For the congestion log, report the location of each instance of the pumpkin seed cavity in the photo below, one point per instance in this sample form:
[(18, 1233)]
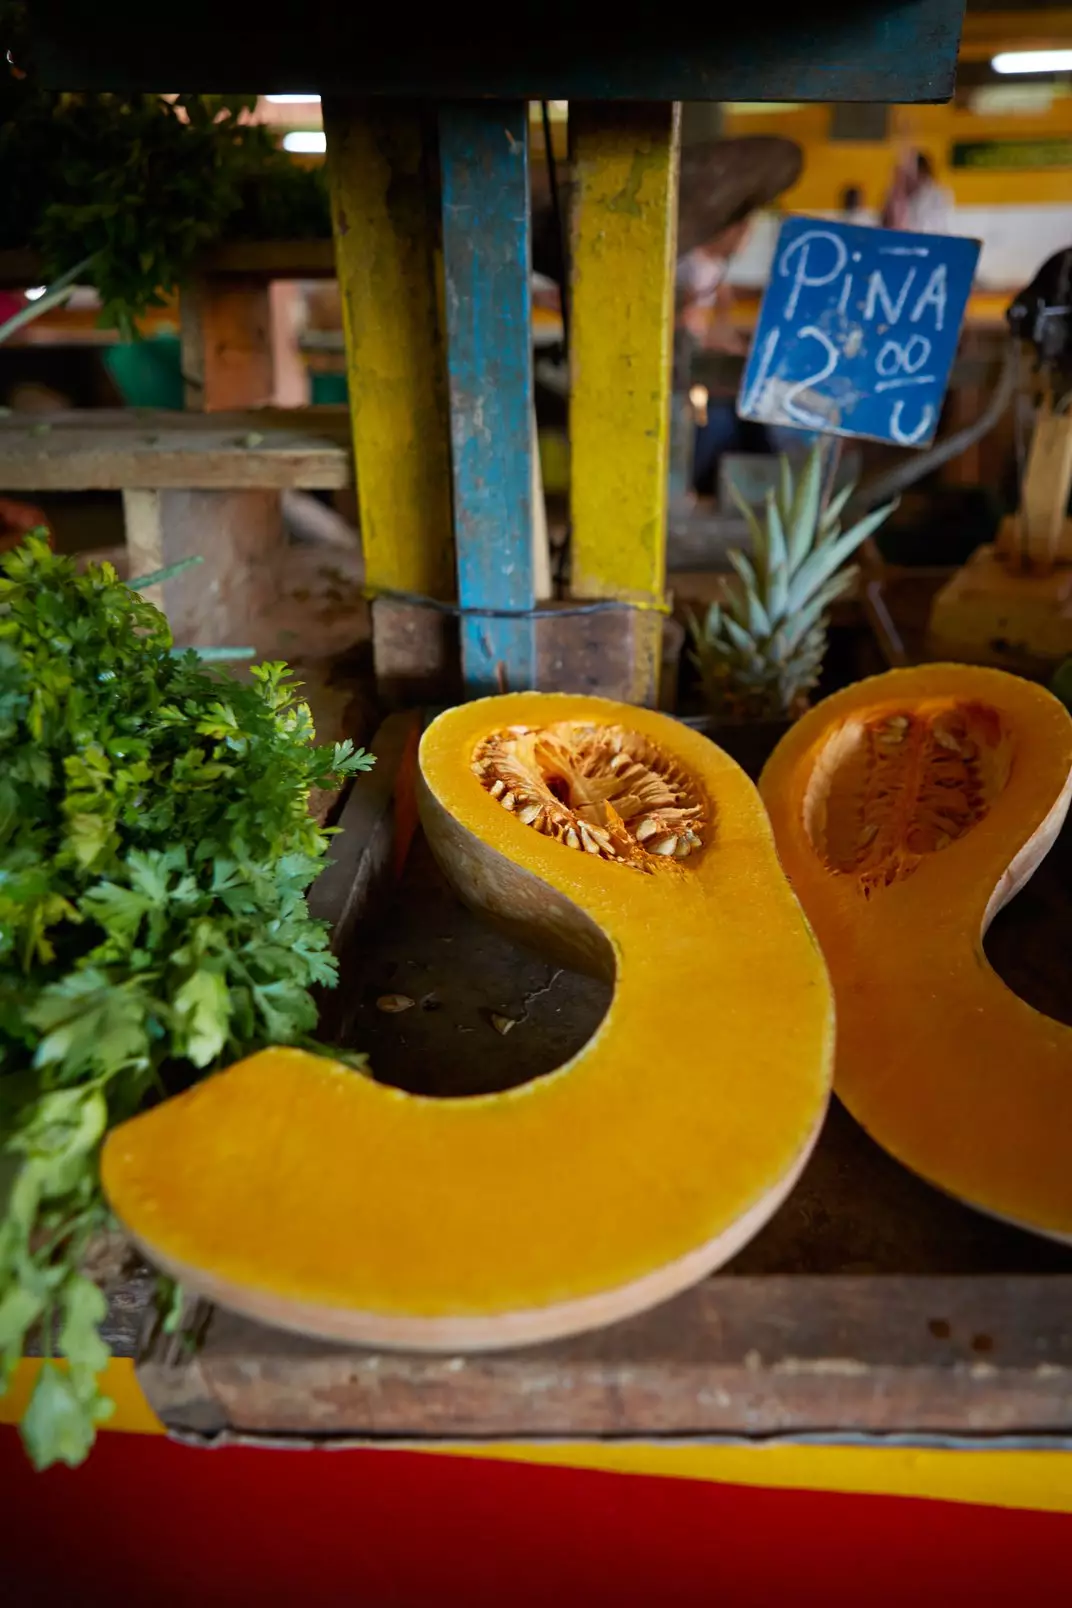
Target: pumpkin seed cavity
[(896, 785), (602, 790)]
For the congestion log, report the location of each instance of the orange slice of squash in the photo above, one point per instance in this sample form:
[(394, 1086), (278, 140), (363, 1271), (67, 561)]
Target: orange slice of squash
[(297, 1191), (907, 810)]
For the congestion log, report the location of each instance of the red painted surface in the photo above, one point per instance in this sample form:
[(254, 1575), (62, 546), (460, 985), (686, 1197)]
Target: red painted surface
[(148, 1522)]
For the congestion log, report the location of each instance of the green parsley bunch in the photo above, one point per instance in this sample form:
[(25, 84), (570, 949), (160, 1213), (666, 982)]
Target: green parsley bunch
[(155, 850)]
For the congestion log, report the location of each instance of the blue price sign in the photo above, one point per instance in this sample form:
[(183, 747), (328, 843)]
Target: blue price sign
[(858, 331)]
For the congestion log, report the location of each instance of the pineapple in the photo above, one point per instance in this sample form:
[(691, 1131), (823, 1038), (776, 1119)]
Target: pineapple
[(760, 650)]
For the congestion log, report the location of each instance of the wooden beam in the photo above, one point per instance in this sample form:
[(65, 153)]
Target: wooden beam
[(896, 50), (239, 537), (381, 160), (736, 1356), (264, 259), (483, 152), (624, 232), (385, 233), (272, 259), (98, 450), (226, 331)]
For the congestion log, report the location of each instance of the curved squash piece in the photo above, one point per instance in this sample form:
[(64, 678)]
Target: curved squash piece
[(297, 1191), (907, 810)]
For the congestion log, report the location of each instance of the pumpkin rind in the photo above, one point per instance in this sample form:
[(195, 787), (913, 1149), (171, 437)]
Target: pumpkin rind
[(295, 1190), (907, 810)]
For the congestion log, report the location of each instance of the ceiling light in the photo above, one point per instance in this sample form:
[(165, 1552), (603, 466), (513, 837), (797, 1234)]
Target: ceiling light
[(1033, 61), (293, 100), (308, 141)]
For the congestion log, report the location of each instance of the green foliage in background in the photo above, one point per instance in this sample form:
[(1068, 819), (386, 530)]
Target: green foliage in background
[(142, 184)]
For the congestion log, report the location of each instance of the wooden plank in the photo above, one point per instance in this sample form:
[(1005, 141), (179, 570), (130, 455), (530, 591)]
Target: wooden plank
[(415, 654), (385, 241), (119, 451), (381, 164), (331, 420), (735, 1356), (483, 150), (239, 537), (375, 830), (274, 259), (226, 329), (268, 259), (598, 653), (624, 228), (143, 522), (900, 50)]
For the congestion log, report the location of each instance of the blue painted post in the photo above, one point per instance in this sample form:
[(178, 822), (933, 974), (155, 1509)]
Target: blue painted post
[(483, 154)]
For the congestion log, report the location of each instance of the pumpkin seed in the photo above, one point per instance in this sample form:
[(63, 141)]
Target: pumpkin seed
[(394, 1004)]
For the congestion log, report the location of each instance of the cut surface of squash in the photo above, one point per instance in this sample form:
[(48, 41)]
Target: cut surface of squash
[(298, 1191), (907, 810)]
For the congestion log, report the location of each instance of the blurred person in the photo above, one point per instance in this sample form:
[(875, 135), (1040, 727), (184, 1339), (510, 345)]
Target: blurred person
[(916, 201), (703, 297), (851, 207), (724, 184)]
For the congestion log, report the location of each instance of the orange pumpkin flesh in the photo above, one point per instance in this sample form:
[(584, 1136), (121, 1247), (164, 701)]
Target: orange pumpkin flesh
[(907, 810), (297, 1191)]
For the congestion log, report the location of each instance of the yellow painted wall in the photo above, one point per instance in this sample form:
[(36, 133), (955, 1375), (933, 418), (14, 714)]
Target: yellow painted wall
[(831, 165)]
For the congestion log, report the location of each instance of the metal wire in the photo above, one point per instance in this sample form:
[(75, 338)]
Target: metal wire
[(1020, 445), (603, 605), (889, 484), (562, 553), (560, 226)]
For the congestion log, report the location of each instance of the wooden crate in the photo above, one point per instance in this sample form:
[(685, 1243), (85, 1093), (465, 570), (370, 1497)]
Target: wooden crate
[(870, 1307)]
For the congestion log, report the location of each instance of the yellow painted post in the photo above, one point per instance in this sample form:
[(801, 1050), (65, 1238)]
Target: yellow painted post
[(624, 223), (385, 211)]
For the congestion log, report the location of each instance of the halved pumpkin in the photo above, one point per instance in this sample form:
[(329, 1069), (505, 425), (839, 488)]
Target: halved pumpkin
[(907, 810), (295, 1190)]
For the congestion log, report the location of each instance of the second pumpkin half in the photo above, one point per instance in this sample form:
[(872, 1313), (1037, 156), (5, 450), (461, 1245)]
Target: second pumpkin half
[(907, 810)]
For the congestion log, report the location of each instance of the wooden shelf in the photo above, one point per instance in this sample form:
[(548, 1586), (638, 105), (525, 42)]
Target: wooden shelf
[(263, 259), (144, 449), (826, 1357), (273, 259)]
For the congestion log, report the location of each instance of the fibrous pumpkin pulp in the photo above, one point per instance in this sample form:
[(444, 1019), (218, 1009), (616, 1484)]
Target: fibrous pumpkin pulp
[(296, 1190), (907, 810)]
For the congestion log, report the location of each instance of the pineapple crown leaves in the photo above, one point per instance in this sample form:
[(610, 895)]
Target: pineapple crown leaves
[(769, 633)]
